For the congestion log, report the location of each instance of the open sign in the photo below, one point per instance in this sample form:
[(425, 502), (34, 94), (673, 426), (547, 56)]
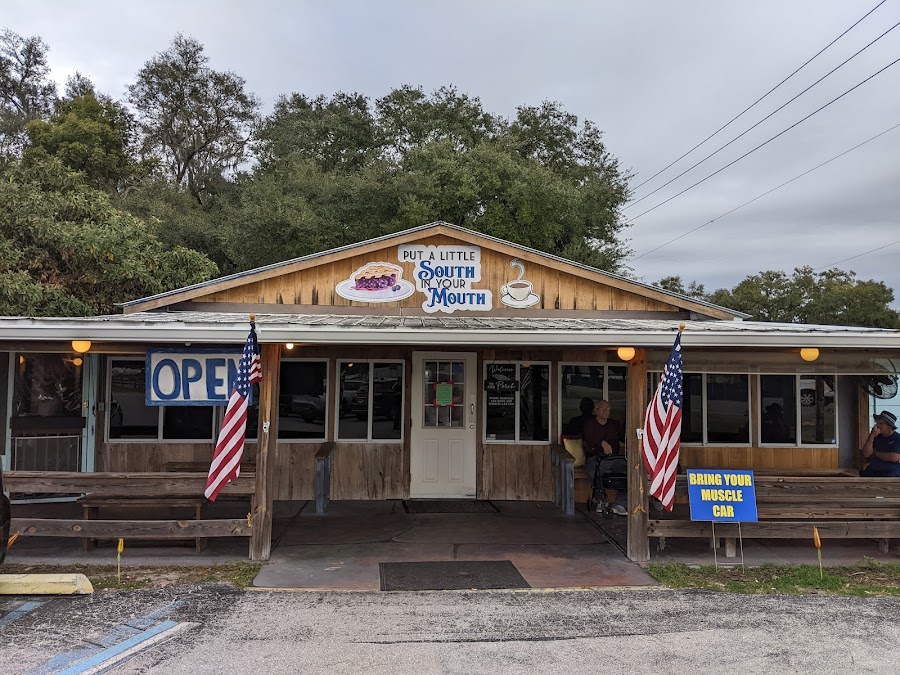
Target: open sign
[(190, 377)]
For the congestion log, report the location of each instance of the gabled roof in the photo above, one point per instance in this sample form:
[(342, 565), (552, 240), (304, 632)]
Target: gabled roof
[(169, 298)]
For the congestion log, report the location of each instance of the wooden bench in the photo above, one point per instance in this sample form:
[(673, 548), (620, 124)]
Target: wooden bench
[(92, 504), (788, 507), (152, 487)]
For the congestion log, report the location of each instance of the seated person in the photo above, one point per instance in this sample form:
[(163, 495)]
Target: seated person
[(601, 438), (574, 428), (882, 448)]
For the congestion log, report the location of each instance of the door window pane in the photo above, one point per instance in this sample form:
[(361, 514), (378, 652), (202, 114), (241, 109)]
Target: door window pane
[(444, 394), (387, 400), (727, 408), (353, 424), (534, 403), (129, 416), (302, 399), (778, 394), (692, 412), (818, 419)]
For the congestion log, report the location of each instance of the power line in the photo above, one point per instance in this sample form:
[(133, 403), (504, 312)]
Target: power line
[(716, 152), (763, 96), (768, 192), (853, 257), (780, 133)]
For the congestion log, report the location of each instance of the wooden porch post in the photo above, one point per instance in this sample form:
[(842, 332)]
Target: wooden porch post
[(261, 537), (636, 387)]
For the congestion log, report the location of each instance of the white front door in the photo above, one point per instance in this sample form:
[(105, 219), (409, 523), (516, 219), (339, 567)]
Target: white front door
[(442, 443)]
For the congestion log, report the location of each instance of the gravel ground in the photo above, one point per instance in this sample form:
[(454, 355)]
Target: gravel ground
[(597, 631)]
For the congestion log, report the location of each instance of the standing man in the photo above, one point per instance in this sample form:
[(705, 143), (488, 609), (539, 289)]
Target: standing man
[(882, 448)]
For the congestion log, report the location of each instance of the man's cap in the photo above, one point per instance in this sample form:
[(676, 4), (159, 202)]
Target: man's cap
[(889, 417)]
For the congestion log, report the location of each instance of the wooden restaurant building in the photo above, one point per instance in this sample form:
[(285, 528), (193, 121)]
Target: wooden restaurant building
[(435, 363)]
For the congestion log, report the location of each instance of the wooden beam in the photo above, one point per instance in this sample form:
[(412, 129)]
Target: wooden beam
[(636, 404), (131, 529), (261, 540), (323, 476), (119, 484), (778, 530)]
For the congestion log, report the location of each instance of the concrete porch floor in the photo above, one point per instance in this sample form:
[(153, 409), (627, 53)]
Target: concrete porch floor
[(342, 549)]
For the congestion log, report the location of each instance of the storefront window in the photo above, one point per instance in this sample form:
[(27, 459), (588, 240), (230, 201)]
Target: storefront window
[(594, 382), (130, 418), (722, 400), (517, 402), (804, 402), (47, 385), (374, 414), (303, 400)]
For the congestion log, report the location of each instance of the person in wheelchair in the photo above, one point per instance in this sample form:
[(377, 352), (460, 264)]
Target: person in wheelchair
[(601, 438)]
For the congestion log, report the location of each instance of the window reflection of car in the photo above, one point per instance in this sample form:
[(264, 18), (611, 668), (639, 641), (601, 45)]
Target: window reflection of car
[(307, 407), (386, 399), (349, 389), (808, 393)]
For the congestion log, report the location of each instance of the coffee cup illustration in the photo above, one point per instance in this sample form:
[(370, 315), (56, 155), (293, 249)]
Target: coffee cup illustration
[(520, 292)]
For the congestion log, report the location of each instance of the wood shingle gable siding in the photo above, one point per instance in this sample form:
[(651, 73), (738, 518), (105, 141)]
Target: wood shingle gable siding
[(311, 281)]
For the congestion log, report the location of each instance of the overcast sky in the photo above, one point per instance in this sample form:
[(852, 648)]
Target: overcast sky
[(656, 77)]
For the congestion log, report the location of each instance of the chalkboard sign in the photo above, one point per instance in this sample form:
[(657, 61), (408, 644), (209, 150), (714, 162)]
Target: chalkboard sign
[(501, 377)]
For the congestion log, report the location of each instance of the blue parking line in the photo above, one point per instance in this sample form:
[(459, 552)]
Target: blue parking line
[(101, 657), (20, 611)]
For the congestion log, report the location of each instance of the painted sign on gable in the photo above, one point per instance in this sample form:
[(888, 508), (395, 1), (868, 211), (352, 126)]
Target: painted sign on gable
[(446, 274)]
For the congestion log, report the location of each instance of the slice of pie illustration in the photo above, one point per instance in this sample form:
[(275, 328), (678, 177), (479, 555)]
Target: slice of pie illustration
[(376, 276)]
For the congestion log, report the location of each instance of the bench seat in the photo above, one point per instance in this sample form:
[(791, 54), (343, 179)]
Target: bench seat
[(92, 504)]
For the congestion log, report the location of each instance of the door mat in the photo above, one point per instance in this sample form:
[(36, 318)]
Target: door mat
[(450, 575), (448, 506)]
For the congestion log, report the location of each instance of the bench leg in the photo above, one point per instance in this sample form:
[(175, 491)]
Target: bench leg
[(730, 547), (90, 513), (199, 542), (662, 544), (884, 545)]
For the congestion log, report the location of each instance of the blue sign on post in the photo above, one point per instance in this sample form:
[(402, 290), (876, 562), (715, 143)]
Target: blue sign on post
[(722, 495)]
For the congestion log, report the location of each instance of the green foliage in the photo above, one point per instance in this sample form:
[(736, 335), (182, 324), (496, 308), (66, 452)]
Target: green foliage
[(870, 579), (91, 135), (195, 120), (831, 297), (25, 93), (66, 250), (676, 285)]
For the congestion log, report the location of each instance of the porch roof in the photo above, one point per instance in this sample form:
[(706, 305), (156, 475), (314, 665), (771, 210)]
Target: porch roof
[(439, 331)]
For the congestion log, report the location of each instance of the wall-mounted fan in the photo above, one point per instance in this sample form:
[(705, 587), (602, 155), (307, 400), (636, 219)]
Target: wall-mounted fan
[(879, 386)]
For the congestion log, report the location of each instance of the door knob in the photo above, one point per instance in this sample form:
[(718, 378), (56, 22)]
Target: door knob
[(472, 408)]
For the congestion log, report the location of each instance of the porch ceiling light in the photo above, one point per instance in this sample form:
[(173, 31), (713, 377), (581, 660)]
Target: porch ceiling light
[(77, 361), (81, 346), (809, 353), (289, 345), (625, 353)]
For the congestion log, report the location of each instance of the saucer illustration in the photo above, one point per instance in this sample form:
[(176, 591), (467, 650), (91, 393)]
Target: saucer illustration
[(510, 301), (376, 282)]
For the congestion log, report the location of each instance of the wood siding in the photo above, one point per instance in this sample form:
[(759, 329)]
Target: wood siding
[(516, 472), (368, 471), (558, 290), (693, 457)]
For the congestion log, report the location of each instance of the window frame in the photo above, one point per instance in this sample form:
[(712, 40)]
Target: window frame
[(798, 419), (217, 413), (371, 395), (703, 405), (328, 406), (518, 365), (606, 365)]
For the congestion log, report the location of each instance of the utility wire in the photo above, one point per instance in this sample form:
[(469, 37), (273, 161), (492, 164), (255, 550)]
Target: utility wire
[(764, 143), (716, 152), (763, 96), (768, 192), (853, 257)]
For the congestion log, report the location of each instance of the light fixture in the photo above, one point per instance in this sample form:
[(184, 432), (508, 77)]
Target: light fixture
[(289, 345), (21, 359), (625, 353), (77, 361), (809, 353), (81, 346)]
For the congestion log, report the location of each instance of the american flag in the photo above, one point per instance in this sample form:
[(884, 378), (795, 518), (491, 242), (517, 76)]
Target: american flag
[(662, 430), (226, 461)]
